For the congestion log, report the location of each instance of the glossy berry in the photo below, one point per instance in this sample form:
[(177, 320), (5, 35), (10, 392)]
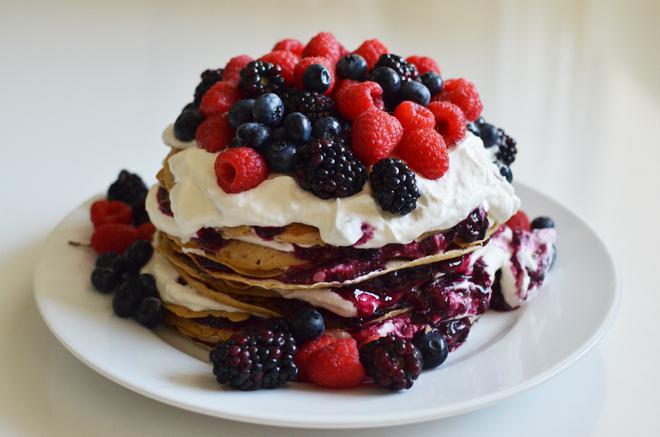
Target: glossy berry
[(298, 127), (215, 133), (280, 156), (433, 82), (312, 105), (394, 186), (290, 45), (404, 69), (240, 113), (307, 324), (219, 98), (326, 127), (392, 362), (186, 124), (259, 77), (352, 67), (519, 221), (139, 253), (316, 78), (268, 109), (424, 64), (149, 312), (128, 188), (449, 122), (336, 365), (252, 134), (371, 50), (375, 135), (388, 79), (507, 149), (473, 227), (113, 237), (542, 222), (103, 211), (412, 115), (287, 62), (208, 79), (304, 63), (233, 68), (354, 99), (239, 169), (425, 152), (505, 171), (105, 279), (325, 45), (489, 134), (127, 297), (462, 93), (415, 92), (433, 347)]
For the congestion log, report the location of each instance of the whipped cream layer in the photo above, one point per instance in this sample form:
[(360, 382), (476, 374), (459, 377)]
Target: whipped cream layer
[(472, 180)]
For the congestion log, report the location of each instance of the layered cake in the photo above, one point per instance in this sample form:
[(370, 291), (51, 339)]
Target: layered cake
[(331, 217)]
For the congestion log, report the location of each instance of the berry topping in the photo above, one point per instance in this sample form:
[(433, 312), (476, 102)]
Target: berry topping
[(424, 151), (186, 124), (215, 133), (355, 98), (252, 134), (103, 211), (268, 109), (128, 188), (412, 115), (474, 227), (462, 93), (307, 324), (326, 127), (252, 361), (352, 67), (239, 169), (259, 77), (219, 98), (298, 127), (392, 362), (405, 70), (324, 45), (313, 105), (280, 155), (394, 186), (449, 122), (307, 350), (304, 63), (209, 78), (424, 64), (375, 135), (149, 312), (240, 112), (233, 68), (507, 151), (433, 347), (105, 279), (415, 91), (138, 254), (371, 50), (113, 237), (433, 82), (389, 80), (316, 78), (287, 62), (519, 221), (336, 365), (290, 45), (329, 170), (542, 222)]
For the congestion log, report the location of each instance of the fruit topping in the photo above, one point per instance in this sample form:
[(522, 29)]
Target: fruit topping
[(240, 113), (449, 122), (186, 124), (259, 77), (356, 98), (415, 91), (298, 127), (433, 347), (433, 82), (290, 45), (219, 98), (336, 365), (326, 127), (239, 169), (311, 104), (209, 78), (287, 62), (462, 93), (268, 109), (371, 50), (215, 133), (305, 63), (425, 152), (375, 135), (233, 68), (405, 70), (324, 45), (280, 155), (352, 67), (316, 78), (394, 186), (307, 324), (252, 134), (392, 362), (412, 115)]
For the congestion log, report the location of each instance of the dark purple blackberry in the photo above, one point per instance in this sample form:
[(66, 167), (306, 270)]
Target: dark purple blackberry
[(474, 227), (130, 188), (507, 148), (251, 361), (406, 70), (311, 104), (394, 186), (149, 312), (328, 169), (259, 77), (209, 78), (392, 362)]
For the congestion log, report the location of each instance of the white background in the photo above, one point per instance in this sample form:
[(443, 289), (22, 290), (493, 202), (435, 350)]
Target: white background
[(86, 89)]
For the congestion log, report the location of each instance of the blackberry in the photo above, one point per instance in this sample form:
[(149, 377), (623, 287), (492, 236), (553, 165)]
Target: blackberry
[(394, 186), (129, 188), (507, 148), (209, 78), (328, 169), (309, 103), (259, 77), (251, 361), (406, 70), (392, 362), (139, 253)]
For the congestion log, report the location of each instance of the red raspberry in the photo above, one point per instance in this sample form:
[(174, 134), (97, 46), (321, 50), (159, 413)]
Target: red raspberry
[(240, 169), (337, 365), (215, 133), (290, 45), (305, 352), (234, 67), (413, 115), (286, 60), (425, 152), (424, 64), (519, 221), (324, 45), (355, 98), (219, 98), (371, 50), (113, 237), (306, 62), (462, 93), (449, 122), (146, 231), (375, 135), (104, 211)]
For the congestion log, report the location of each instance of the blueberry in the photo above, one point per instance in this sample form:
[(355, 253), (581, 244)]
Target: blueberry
[(542, 222), (474, 128), (433, 82), (352, 67), (298, 127), (268, 109), (105, 279), (489, 134), (316, 78), (149, 312), (240, 113), (186, 124), (111, 260), (506, 172), (252, 134), (148, 285), (388, 79), (280, 156), (127, 297), (278, 134), (433, 347), (307, 324), (326, 127), (415, 92), (138, 254)]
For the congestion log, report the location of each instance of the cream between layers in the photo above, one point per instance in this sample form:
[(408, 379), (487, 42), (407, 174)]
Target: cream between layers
[(472, 180)]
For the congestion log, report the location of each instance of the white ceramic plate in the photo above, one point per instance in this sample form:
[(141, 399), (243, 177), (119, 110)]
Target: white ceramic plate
[(504, 354)]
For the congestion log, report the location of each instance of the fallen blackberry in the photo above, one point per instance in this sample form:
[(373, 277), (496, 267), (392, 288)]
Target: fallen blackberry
[(251, 361), (406, 70), (328, 169), (209, 78), (309, 103), (130, 188), (394, 186), (392, 362), (507, 148), (259, 77)]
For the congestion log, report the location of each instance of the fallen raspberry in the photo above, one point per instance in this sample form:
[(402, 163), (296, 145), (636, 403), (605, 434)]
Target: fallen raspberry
[(425, 152), (324, 45), (305, 352), (413, 115), (371, 50), (519, 221), (146, 231), (354, 98), (424, 64), (240, 169), (462, 93), (234, 67), (219, 98), (114, 211), (449, 122), (337, 365), (215, 133), (113, 237), (375, 135), (286, 60), (306, 62), (290, 45)]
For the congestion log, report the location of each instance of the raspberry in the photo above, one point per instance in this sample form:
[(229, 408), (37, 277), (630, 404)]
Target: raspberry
[(113, 237), (392, 362), (290, 45), (324, 45), (146, 231), (371, 50), (354, 98), (424, 151), (219, 98), (103, 211), (519, 221), (286, 60), (306, 351), (306, 62), (462, 93), (424, 64), (449, 122), (240, 169), (234, 67), (375, 135), (215, 133), (337, 365), (414, 116)]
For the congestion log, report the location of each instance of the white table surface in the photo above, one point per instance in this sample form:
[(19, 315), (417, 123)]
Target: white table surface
[(86, 90)]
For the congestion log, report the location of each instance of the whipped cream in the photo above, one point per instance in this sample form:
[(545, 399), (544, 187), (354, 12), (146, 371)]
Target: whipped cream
[(472, 180)]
